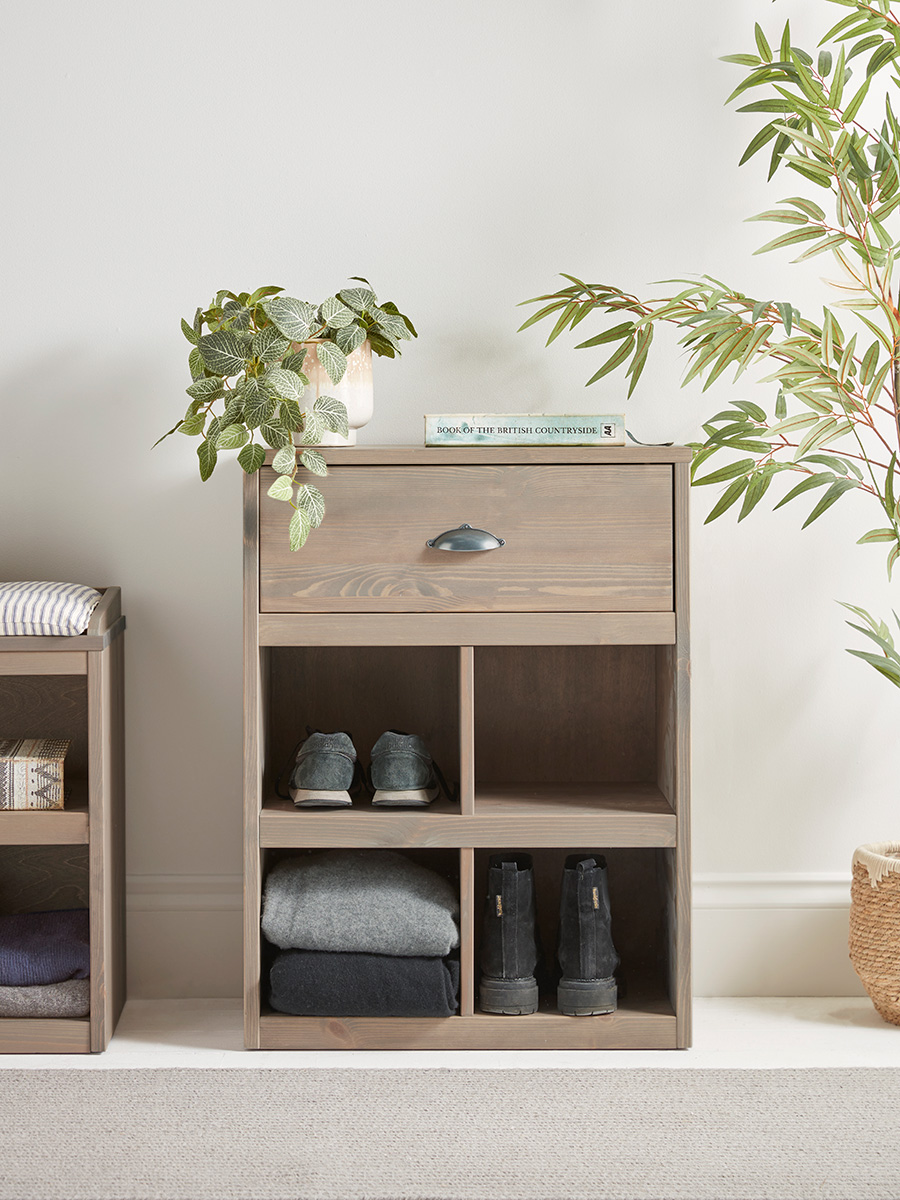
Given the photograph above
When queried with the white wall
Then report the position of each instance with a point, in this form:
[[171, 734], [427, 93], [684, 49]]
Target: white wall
[[459, 155]]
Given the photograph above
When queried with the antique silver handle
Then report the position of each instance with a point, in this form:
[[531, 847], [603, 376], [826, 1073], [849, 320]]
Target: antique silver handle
[[465, 538]]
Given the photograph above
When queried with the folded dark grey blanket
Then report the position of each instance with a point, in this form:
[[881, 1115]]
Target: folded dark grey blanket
[[72, 998], [44, 947], [360, 901], [311, 983]]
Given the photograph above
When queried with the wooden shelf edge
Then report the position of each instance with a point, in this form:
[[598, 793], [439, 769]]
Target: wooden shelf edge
[[623, 1030], [63, 827], [38, 1035], [420, 456], [467, 629]]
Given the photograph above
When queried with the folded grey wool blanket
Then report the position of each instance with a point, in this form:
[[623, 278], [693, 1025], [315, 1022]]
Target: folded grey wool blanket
[[360, 901], [311, 983], [44, 947], [71, 998]]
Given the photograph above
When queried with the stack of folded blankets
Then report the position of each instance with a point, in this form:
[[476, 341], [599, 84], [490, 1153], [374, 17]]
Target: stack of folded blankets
[[363, 933], [45, 964]]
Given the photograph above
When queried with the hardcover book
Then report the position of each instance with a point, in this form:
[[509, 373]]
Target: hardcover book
[[524, 429]]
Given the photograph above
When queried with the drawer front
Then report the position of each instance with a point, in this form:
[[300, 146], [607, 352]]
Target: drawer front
[[578, 539]]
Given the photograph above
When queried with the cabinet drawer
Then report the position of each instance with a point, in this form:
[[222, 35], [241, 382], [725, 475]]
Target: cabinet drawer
[[589, 538]]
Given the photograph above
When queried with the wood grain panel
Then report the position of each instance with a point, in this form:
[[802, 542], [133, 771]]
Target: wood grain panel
[[39, 1036], [40, 878], [545, 815], [67, 827], [650, 1027], [565, 714], [467, 629], [385, 456], [50, 706], [23, 662], [371, 555]]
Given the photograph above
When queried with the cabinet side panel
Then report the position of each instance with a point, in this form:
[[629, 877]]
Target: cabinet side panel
[[674, 761], [107, 834], [252, 761]]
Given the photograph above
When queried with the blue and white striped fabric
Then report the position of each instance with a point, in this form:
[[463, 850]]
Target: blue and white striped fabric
[[51, 609]]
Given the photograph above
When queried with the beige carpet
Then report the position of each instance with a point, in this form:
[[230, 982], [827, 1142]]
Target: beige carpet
[[449, 1135]]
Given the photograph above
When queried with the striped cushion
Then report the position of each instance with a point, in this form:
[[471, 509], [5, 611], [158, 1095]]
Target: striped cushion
[[55, 609]]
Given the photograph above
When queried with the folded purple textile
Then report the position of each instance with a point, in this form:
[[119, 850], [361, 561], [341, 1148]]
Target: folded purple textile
[[44, 947]]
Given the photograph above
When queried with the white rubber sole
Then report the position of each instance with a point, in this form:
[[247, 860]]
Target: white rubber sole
[[313, 798], [413, 798]]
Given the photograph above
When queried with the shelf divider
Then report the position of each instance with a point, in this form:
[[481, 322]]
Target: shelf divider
[[466, 931], [467, 730]]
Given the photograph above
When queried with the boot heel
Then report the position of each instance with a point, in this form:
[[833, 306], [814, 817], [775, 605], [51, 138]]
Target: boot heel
[[514, 997], [586, 997]]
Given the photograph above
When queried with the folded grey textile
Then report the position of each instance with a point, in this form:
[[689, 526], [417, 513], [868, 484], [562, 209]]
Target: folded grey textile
[[44, 947], [360, 901], [313, 983], [71, 998]]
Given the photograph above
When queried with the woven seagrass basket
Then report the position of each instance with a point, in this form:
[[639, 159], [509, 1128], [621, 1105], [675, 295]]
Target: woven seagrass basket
[[875, 925]]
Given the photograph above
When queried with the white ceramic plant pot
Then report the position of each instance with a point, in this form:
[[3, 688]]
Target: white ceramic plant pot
[[354, 391]]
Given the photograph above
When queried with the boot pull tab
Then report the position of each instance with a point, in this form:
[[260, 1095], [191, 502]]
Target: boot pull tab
[[498, 902], [595, 892]]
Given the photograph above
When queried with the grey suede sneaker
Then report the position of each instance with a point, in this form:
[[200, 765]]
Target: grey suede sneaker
[[403, 774], [323, 772]]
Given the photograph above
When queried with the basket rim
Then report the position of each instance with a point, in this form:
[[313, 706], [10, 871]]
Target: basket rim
[[879, 859]]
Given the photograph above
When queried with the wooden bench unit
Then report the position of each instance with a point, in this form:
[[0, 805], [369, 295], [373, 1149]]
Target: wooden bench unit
[[72, 687]]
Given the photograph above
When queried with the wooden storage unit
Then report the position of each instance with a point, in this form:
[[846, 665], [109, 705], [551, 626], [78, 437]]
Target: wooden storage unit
[[550, 677], [71, 687]]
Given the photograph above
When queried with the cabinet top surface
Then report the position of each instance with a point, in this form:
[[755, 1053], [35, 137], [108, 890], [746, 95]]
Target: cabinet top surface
[[389, 456]]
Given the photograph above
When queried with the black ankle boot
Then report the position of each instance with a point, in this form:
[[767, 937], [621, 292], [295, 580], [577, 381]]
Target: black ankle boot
[[509, 948], [586, 952]]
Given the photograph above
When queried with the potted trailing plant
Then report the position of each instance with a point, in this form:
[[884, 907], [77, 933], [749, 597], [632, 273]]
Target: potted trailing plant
[[247, 360], [834, 426]]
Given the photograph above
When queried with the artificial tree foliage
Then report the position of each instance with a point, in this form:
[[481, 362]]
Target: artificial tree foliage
[[834, 423], [248, 382]]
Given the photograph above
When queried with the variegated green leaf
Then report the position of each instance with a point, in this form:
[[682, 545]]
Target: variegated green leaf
[[206, 389], [282, 488], [298, 529], [312, 502], [294, 318], [333, 414], [206, 453], [333, 360], [223, 352], [251, 458], [286, 385], [313, 461], [313, 428], [285, 460], [274, 435], [350, 339], [336, 315], [360, 299], [269, 345], [232, 437], [877, 535]]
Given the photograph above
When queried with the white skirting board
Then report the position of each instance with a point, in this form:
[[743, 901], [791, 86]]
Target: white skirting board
[[753, 935]]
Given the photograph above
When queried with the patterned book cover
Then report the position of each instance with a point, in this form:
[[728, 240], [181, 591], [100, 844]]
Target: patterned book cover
[[524, 429], [31, 772]]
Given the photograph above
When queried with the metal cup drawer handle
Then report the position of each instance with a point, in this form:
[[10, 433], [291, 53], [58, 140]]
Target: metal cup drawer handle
[[464, 537]]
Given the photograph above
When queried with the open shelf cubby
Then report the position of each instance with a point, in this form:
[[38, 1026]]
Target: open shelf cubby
[[564, 730]]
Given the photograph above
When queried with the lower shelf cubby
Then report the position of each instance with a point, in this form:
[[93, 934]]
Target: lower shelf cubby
[[335, 946], [644, 1018], [42, 878]]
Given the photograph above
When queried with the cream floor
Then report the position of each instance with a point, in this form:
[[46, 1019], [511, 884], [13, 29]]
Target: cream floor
[[734, 1032]]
